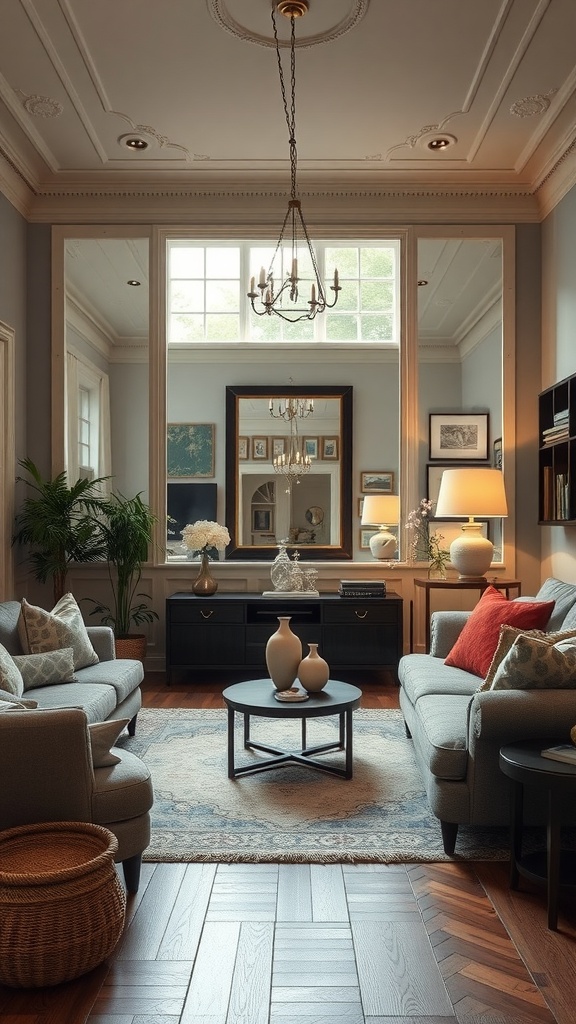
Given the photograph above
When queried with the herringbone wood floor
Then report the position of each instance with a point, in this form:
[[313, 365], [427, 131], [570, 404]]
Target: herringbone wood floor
[[321, 944]]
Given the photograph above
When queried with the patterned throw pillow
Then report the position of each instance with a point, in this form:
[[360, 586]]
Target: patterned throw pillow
[[535, 665], [103, 735], [42, 631], [508, 635], [10, 675], [46, 669]]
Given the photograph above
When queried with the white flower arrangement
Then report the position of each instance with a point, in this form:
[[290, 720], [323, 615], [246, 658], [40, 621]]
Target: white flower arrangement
[[202, 537]]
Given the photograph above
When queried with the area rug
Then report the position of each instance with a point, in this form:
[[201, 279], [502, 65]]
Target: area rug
[[291, 814]]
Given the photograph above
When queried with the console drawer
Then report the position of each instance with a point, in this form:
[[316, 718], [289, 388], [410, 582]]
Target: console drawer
[[203, 611], [361, 612]]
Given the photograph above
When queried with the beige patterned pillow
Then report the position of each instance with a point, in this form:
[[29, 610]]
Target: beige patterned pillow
[[508, 635], [10, 675], [533, 664], [46, 669], [42, 631], [103, 735]]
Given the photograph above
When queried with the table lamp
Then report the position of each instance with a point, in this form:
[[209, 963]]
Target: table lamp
[[382, 510], [471, 492]]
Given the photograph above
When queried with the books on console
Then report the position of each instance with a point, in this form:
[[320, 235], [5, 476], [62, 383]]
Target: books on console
[[565, 752], [362, 588]]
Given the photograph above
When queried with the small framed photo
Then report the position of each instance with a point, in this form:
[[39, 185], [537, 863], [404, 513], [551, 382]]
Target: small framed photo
[[329, 447], [243, 447], [497, 453], [360, 506], [311, 447], [261, 520], [458, 436], [434, 473], [260, 448], [365, 534], [377, 481], [277, 446]]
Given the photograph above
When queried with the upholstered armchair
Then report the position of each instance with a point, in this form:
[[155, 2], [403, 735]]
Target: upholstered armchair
[[47, 774]]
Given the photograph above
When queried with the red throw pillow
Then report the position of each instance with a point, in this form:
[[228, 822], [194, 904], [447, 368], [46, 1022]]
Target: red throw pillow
[[475, 647]]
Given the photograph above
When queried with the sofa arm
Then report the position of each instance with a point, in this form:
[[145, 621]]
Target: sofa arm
[[511, 715], [445, 628], [102, 640]]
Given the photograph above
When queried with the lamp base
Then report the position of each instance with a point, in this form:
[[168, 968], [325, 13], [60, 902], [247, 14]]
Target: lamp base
[[383, 544], [471, 553]]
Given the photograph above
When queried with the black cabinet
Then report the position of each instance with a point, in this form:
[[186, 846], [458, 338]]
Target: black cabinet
[[231, 630]]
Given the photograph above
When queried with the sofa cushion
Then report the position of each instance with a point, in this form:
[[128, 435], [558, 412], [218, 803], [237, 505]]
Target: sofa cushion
[[42, 631], [422, 674], [442, 732], [475, 647], [123, 674], [103, 735], [10, 675], [564, 597], [535, 664], [9, 637], [46, 669], [97, 699], [9, 698], [508, 635], [121, 790]]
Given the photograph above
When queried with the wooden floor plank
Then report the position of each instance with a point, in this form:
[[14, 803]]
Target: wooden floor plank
[[211, 981], [184, 926], [328, 893], [144, 936], [294, 893], [251, 982]]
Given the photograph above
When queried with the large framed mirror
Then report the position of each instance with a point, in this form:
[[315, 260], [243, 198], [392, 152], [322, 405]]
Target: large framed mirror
[[289, 471]]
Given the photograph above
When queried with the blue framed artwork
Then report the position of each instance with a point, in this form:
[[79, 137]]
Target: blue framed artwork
[[190, 450]]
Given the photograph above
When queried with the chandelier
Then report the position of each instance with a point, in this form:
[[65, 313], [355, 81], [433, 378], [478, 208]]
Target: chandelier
[[293, 463], [290, 408], [279, 293]]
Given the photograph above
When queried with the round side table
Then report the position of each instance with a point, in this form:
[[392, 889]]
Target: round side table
[[524, 764]]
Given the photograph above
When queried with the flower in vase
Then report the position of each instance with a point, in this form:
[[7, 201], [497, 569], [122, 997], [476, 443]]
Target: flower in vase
[[427, 546], [205, 537]]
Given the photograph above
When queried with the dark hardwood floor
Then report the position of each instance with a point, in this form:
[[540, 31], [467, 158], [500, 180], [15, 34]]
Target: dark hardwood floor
[[445, 943]]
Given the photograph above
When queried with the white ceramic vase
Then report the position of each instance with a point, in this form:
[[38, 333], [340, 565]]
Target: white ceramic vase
[[283, 655], [313, 671]]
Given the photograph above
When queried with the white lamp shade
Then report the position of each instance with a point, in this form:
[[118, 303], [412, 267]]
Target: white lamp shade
[[381, 510], [471, 492]]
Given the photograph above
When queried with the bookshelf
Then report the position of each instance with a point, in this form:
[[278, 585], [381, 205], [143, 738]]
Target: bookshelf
[[557, 453]]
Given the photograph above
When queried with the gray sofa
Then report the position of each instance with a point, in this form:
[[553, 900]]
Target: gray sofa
[[109, 689], [457, 731]]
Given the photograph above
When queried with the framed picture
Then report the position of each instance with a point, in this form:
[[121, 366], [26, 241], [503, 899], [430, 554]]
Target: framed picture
[[277, 446], [366, 532], [311, 447], [190, 449], [377, 481], [452, 528], [497, 453], [261, 520], [459, 436], [329, 447], [243, 447], [360, 506], [260, 448], [434, 473]]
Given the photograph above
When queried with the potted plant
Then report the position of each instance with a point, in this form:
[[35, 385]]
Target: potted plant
[[60, 523], [126, 528]]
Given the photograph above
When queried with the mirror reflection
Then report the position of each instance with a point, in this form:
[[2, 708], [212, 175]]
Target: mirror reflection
[[290, 477]]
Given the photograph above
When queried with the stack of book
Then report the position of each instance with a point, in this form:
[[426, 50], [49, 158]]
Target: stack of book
[[559, 431], [562, 752], [362, 588]]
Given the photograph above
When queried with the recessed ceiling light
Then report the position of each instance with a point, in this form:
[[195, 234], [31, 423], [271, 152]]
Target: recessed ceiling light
[[135, 142], [133, 284], [441, 142], [422, 282]]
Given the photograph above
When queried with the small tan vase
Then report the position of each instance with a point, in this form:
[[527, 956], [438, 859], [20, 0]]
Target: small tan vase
[[283, 655], [204, 585], [313, 671]]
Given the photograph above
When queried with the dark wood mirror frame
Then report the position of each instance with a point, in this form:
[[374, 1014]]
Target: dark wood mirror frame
[[238, 551]]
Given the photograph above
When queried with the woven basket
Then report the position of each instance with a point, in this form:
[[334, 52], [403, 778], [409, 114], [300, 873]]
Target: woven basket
[[131, 646], [62, 904]]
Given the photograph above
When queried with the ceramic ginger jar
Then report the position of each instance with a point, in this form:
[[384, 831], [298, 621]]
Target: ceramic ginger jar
[[313, 671], [283, 655]]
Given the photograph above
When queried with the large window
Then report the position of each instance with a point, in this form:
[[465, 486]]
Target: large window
[[208, 282]]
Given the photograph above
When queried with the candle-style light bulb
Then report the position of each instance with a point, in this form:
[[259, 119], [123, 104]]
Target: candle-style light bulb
[[262, 279], [313, 295], [336, 279], [252, 284]]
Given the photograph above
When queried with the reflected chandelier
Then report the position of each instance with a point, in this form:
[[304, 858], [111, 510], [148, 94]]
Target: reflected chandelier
[[293, 463], [276, 293]]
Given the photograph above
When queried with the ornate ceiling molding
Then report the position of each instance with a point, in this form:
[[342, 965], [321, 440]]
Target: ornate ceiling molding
[[222, 16]]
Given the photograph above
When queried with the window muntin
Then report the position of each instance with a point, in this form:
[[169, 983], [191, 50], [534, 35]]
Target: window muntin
[[207, 302]]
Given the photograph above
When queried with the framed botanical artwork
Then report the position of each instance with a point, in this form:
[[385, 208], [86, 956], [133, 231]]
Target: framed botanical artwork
[[434, 473], [458, 436], [261, 520], [497, 453], [190, 450], [366, 532], [260, 448], [377, 481], [329, 447], [243, 447], [277, 446], [311, 447]]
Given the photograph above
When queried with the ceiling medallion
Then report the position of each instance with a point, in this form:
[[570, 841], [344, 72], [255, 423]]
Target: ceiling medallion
[[42, 106], [529, 106], [219, 10]]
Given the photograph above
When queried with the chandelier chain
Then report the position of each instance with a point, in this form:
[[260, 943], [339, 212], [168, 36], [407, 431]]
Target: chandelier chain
[[290, 114]]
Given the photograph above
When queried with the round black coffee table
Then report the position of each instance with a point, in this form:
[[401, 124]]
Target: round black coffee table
[[256, 697]]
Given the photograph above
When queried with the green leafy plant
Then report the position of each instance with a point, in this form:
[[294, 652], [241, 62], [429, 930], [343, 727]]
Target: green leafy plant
[[60, 523], [126, 528]]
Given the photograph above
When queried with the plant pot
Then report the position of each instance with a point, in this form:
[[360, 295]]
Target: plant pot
[[131, 645]]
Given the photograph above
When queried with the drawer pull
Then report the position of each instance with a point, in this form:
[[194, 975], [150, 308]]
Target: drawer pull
[[360, 615], [206, 615]]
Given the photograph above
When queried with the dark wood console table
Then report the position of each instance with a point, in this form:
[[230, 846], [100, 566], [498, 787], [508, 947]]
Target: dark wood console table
[[428, 585], [230, 631]]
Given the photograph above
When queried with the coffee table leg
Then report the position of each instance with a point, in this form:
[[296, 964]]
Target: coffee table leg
[[348, 741], [303, 734], [246, 730], [230, 743], [516, 824]]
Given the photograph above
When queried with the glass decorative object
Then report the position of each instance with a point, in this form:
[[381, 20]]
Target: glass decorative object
[[281, 569]]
